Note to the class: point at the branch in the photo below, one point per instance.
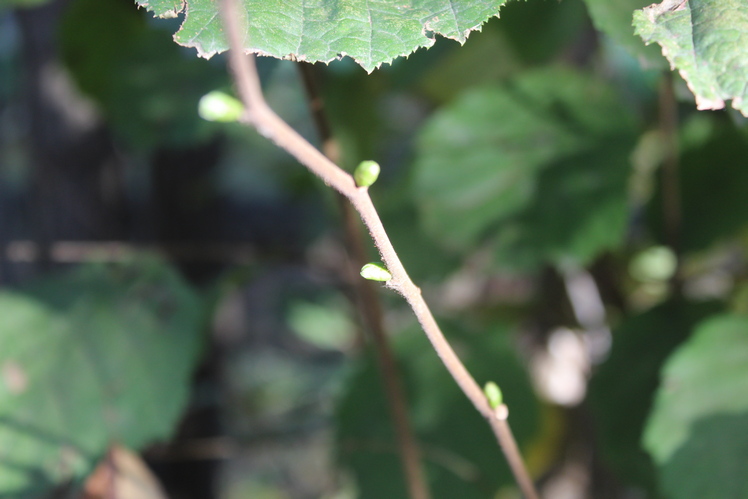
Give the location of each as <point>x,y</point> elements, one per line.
<point>671,196</point>
<point>370,310</point>
<point>275,129</point>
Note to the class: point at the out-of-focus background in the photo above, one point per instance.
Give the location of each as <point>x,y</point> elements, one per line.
<point>177,305</point>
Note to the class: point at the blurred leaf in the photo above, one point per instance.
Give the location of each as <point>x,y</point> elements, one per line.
<point>712,464</point>
<point>614,17</point>
<point>539,29</point>
<point>529,32</point>
<point>460,453</point>
<point>707,42</point>
<point>323,30</point>
<point>146,87</point>
<point>324,326</point>
<point>713,179</point>
<point>423,257</point>
<point>704,378</point>
<point>100,355</point>
<point>537,163</point>
<point>452,68</point>
<point>622,390</point>
<point>356,128</point>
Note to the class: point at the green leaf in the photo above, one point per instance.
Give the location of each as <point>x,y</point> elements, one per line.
<point>324,30</point>
<point>707,42</point>
<point>712,464</point>
<point>101,355</point>
<point>621,402</point>
<point>536,164</point>
<point>613,17</point>
<point>706,377</point>
<point>460,452</point>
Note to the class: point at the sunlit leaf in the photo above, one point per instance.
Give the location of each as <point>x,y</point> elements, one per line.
<point>372,33</point>
<point>707,42</point>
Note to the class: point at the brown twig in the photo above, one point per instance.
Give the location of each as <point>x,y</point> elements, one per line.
<point>671,202</point>
<point>275,129</point>
<point>370,309</point>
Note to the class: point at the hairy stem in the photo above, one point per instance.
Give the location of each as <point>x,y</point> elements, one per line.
<point>370,310</point>
<point>275,129</point>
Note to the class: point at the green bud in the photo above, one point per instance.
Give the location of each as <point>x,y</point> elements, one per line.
<point>366,173</point>
<point>375,272</point>
<point>493,394</point>
<point>219,106</point>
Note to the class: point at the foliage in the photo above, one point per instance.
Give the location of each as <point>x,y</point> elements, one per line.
<point>622,403</point>
<point>613,17</point>
<point>479,173</point>
<point>534,144</point>
<point>705,40</point>
<point>147,88</point>
<point>100,355</point>
<point>323,31</point>
<point>700,410</point>
<point>445,421</point>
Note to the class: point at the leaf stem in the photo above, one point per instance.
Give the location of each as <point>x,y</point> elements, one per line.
<point>278,131</point>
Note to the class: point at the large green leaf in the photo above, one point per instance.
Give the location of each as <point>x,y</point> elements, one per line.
<point>537,164</point>
<point>372,32</point>
<point>707,376</point>
<point>97,356</point>
<point>613,17</point>
<point>460,454</point>
<point>621,403</point>
<point>707,41</point>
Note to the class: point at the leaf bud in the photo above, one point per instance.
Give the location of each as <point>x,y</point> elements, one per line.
<point>219,106</point>
<point>366,173</point>
<point>493,394</point>
<point>375,272</point>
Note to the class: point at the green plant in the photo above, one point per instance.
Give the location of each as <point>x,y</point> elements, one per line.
<point>539,150</point>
